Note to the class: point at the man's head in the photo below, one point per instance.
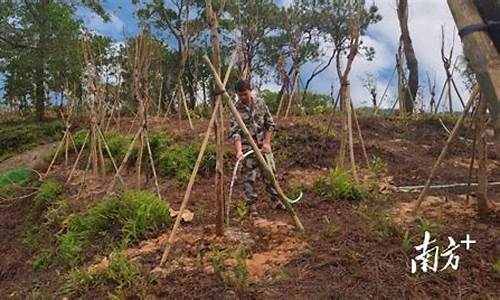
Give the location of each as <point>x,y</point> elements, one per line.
<point>244,90</point>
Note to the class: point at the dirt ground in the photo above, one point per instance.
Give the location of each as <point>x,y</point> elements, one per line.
<point>349,250</point>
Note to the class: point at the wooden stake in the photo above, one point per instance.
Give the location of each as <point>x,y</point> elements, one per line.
<point>360,135</point>
<point>453,134</point>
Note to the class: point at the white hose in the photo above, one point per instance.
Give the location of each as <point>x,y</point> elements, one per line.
<point>233,179</point>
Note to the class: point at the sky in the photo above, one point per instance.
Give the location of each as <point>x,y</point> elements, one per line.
<point>425,20</point>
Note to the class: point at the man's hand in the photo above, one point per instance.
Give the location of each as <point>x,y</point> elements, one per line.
<point>239,155</point>
<point>266,148</point>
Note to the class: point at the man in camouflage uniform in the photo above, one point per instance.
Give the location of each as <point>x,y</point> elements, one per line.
<point>260,124</point>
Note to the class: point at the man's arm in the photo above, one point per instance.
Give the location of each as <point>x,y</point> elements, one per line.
<point>268,129</point>
<point>235,135</point>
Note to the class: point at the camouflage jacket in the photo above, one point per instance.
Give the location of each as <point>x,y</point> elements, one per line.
<point>257,119</point>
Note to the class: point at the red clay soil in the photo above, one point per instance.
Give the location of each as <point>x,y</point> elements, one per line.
<point>349,250</point>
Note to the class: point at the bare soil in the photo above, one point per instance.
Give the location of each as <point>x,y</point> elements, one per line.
<point>349,250</point>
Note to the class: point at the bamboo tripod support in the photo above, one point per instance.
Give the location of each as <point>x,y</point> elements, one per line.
<point>444,151</point>
<point>67,136</point>
<point>94,138</point>
<point>187,194</point>
<point>140,66</point>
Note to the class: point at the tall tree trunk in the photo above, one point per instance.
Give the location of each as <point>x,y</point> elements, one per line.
<point>40,92</point>
<point>411,59</point>
<point>483,56</point>
<point>219,121</point>
<point>482,172</point>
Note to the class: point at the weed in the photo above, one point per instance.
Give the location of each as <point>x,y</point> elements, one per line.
<point>331,230</point>
<point>241,276</point>
<point>496,266</point>
<point>424,225</point>
<point>43,260</point>
<point>121,270</point>
<point>217,261</point>
<point>48,192</point>
<point>241,211</point>
<point>407,241</point>
<point>14,178</point>
<point>79,279</point>
<point>295,188</point>
<point>385,227</point>
<point>236,276</point>
<point>377,165</point>
<point>283,276</point>
<point>339,185</point>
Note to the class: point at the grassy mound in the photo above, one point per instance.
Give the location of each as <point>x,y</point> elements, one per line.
<point>126,219</point>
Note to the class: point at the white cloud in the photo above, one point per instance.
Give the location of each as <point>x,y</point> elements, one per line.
<point>113,28</point>
<point>425,20</point>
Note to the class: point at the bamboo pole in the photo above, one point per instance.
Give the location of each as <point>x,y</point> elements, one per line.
<point>360,135</point>
<point>184,101</point>
<point>349,128</point>
<point>78,157</point>
<point>190,185</point>
<point>187,194</point>
<point>453,134</point>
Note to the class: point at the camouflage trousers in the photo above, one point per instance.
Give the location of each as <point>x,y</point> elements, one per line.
<point>250,170</point>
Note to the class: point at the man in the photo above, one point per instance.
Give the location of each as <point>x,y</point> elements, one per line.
<point>260,124</point>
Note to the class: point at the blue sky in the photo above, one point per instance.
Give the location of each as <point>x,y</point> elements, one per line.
<point>425,20</point>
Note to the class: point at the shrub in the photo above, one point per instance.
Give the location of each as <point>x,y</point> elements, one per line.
<point>338,185</point>
<point>133,216</point>
<point>48,192</point>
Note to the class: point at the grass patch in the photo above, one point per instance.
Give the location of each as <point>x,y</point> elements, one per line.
<point>236,276</point>
<point>14,178</point>
<point>177,161</point>
<point>43,260</point>
<point>126,219</point>
<point>48,192</point>
<point>339,185</point>
<point>121,272</point>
